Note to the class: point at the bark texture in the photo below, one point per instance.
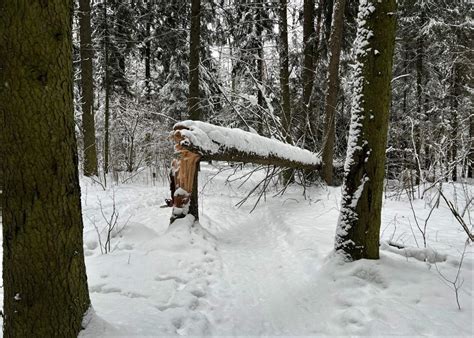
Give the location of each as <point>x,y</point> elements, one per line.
<point>284,73</point>
<point>235,155</point>
<point>107,92</point>
<point>335,43</point>
<point>148,50</point>
<point>453,151</point>
<point>418,130</point>
<point>285,80</point>
<point>194,105</point>
<point>44,277</point>
<point>358,229</point>
<point>87,86</point>
<point>308,61</point>
<point>260,75</point>
<point>195,41</point>
<point>470,158</point>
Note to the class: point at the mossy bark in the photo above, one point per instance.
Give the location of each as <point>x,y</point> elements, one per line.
<point>87,86</point>
<point>44,276</point>
<point>358,228</point>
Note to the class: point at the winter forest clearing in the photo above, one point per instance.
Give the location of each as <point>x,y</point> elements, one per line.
<point>269,272</point>
<point>236,168</point>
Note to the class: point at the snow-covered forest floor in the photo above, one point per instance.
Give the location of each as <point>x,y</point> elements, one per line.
<point>269,272</point>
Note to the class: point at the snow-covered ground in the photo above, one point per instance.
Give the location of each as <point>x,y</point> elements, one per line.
<point>270,272</point>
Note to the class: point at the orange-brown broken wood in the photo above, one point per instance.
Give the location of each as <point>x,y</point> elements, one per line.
<point>187,166</point>
<point>183,173</point>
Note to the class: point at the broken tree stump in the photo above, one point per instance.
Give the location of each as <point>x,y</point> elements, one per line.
<point>184,181</point>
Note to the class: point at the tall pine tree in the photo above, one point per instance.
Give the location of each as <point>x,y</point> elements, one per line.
<point>44,276</point>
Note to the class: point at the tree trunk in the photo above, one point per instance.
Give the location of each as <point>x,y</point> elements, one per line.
<point>44,276</point>
<point>284,73</point>
<point>148,52</point>
<point>326,22</point>
<point>195,41</point>
<point>285,81</point>
<point>308,61</point>
<point>358,228</point>
<point>335,43</point>
<point>455,92</point>
<point>419,107</point>
<point>87,85</point>
<point>313,115</point>
<point>328,19</point>
<point>194,105</point>
<point>470,158</point>
<point>260,63</point>
<point>107,92</point>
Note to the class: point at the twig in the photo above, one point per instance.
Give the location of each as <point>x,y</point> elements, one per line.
<point>458,217</point>
<point>456,284</point>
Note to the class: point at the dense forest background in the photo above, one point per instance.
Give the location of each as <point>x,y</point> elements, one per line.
<point>140,54</point>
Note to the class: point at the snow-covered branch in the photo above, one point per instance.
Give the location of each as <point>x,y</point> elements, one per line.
<point>233,144</point>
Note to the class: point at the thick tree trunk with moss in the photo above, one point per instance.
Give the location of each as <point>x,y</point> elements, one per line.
<point>87,86</point>
<point>335,43</point>
<point>358,228</point>
<point>44,276</point>
<point>195,41</point>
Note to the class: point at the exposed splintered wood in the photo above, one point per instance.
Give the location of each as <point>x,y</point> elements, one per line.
<point>183,174</point>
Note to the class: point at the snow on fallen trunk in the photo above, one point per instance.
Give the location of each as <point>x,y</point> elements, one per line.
<point>235,145</point>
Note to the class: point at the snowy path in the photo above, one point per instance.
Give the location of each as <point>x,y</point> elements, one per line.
<point>269,261</point>
<point>264,275</point>
<point>277,277</point>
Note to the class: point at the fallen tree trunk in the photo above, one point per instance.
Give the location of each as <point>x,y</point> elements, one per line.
<point>235,145</point>
<point>235,155</point>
